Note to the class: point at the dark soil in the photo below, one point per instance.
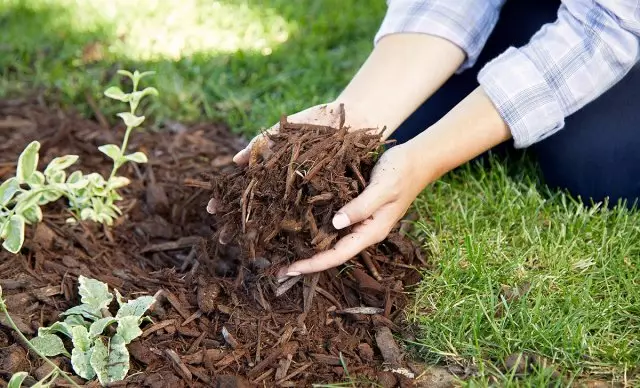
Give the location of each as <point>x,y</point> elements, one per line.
<point>221,321</point>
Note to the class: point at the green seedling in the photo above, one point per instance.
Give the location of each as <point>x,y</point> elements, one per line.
<point>99,339</point>
<point>90,197</point>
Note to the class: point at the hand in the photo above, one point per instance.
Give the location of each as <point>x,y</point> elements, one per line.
<point>323,114</point>
<point>394,184</point>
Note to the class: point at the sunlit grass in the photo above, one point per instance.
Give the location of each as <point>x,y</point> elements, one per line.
<point>242,61</point>
<point>491,234</point>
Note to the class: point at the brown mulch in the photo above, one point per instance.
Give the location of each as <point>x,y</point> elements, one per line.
<point>216,324</point>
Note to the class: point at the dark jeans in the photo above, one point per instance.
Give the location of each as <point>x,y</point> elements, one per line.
<point>596,155</point>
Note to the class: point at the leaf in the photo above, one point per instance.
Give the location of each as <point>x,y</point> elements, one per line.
<point>84,310</point>
<point>60,163</point>
<point>137,157</point>
<point>111,150</point>
<point>80,338</point>
<point>8,189</point>
<point>36,179</point>
<point>57,327</point>
<point>129,328</point>
<point>135,308</point>
<point>48,197</point>
<point>125,73</point>
<point>13,234</point>
<point>94,293</point>
<point>117,94</point>
<point>33,214</point>
<point>143,74</point>
<point>77,181</point>
<point>96,179</point>
<point>49,345</point>
<point>27,199</point>
<point>57,177</point>
<point>28,161</point>
<point>98,326</point>
<point>75,320</point>
<point>81,362</point>
<point>87,214</point>
<point>118,181</point>
<point>111,362</point>
<point>17,379</point>
<point>131,120</point>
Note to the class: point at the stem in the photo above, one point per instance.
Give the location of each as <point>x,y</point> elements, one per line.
<point>125,142</point>
<point>3,308</point>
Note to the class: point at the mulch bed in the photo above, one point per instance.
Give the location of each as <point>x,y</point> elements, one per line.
<point>222,320</point>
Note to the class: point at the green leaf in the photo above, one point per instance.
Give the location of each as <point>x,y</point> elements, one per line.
<point>96,179</point>
<point>98,326</point>
<point>94,293</point>
<point>111,150</point>
<point>131,120</point>
<point>118,181</point>
<point>36,179</point>
<point>33,214</point>
<point>87,214</point>
<point>27,199</point>
<point>116,93</point>
<point>125,73</point>
<point>80,338</point>
<point>81,362</point>
<point>28,161</point>
<point>137,157</point>
<point>129,328</point>
<point>135,308</point>
<point>13,234</point>
<point>77,181</point>
<point>57,327</point>
<point>143,74</point>
<point>49,345</point>
<point>60,163</point>
<point>84,310</point>
<point>8,189</point>
<point>57,177</point>
<point>17,379</point>
<point>111,361</point>
<point>75,320</point>
<point>49,196</point>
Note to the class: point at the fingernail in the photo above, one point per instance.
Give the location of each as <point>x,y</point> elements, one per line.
<point>293,273</point>
<point>341,220</point>
<point>239,155</point>
<point>211,206</point>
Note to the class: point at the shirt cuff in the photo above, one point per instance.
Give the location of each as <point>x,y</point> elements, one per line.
<point>465,23</point>
<point>522,96</point>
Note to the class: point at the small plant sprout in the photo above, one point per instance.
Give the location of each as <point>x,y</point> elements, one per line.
<point>99,339</point>
<point>18,378</point>
<point>90,197</point>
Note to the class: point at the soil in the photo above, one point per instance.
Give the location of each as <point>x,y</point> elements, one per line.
<point>222,320</point>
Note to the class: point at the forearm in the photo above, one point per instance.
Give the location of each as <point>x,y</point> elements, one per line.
<point>400,74</point>
<point>469,129</point>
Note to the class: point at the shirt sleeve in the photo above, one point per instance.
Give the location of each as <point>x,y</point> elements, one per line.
<point>567,64</point>
<point>466,23</point>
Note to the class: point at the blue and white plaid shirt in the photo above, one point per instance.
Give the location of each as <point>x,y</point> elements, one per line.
<point>567,64</point>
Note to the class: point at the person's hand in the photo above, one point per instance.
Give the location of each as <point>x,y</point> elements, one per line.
<point>393,186</point>
<point>323,114</point>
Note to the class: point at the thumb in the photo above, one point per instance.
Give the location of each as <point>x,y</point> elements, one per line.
<point>361,207</point>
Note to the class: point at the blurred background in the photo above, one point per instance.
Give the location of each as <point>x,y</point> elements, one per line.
<point>241,61</point>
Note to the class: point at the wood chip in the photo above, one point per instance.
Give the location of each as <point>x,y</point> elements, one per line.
<point>388,347</point>
<point>229,338</point>
<point>158,326</point>
<point>178,365</point>
<point>184,242</point>
<point>175,302</point>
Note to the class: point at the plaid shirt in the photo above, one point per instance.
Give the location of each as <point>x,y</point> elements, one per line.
<point>567,64</point>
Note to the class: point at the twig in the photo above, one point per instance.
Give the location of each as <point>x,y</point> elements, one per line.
<point>366,257</point>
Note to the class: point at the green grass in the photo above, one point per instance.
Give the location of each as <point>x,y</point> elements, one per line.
<point>247,62</point>
<point>491,228</point>
<point>242,61</point>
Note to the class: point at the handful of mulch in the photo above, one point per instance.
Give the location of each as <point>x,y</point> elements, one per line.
<point>279,207</point>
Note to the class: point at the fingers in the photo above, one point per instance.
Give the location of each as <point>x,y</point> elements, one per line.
<point>361,207</point>
<point>244,156</point>
<point>364,235</point>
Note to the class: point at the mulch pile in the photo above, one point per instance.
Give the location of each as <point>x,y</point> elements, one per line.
<point>222,320</point>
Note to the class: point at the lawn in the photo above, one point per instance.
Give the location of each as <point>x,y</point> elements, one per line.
<point>514,267</point>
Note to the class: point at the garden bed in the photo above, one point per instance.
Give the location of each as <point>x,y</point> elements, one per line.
<point>213,325</point>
